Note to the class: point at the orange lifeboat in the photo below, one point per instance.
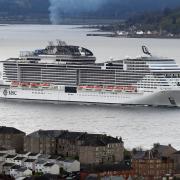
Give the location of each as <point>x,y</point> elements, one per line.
<point>35,85</point>
<point>98,88</point>
<point>109,88</point>
<point>119,88</point>
<point>24,84</point>
<point>45,85</point>
<point>14,83</point>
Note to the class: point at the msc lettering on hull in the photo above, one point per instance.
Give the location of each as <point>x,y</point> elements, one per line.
<point>9,92</point>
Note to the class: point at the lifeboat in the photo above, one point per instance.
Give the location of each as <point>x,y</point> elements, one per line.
<point>35,85</point>
<point>109,88</point>
<point>14,83</point>
<point>98,88</point>
<point>24,84</point>
<point>82,87</point>
<point>126,88</point>
<point>119,88</point>
<point>130,89</point>
<point>45,85</point>
<point>90,87</point>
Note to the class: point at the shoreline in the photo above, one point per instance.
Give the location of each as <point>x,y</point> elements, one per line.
<point>132,36</point>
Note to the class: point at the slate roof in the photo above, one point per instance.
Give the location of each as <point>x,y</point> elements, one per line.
<point>10,130</point>
<point>11,156</point>
<point>161,148</point>
<point>22,169</point>
<point>99,140</point>
<point>54,157</point>
<point>23,153</point>
<point>177,152</point>
<point>41,162</point>
<point>44,156</point>
<point>19,158</point>
<point>33,154</point>
<point>61,159</point>
<point>49,164</point>
<point>90,139</point>
<point>46,133</point>
<point>87,139</point>
<point>8,164</point>
<point>30,160</point>
<point>15,167</point>
<point>70,135</point>
<point>139,155</point>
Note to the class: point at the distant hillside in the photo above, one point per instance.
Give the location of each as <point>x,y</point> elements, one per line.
<point>24,7</point>
<point>168,20</point>
<point>171,22</point>
<point>128,8</point>
<point>24,11</point>
<point>57,10</point>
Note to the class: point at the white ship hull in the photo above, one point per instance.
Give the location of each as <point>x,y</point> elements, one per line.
<point>157,98</point>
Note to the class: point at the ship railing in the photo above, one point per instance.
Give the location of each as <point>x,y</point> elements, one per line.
<point>33,85</point>
<point>127,89</point>
<point>26,53</point>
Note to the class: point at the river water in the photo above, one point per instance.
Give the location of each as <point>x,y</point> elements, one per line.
<point>138,126</point>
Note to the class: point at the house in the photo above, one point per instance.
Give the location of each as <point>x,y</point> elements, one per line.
<point>33,155</point>
<point>2,157</point>
<point>120,170</point>
<point>6,168</point>
<point>23,154</point>
<point>23,172</point>
<point>10,158</point>
<point>42,141</point>
<point>149,32</point>
<point>19,160</point>
<point>69,143</point>
<point>11,138</point>
<point>44,157</point>
<point>53,158</point>
<point>71,165</point>
<point>163,150</point>
<point>101,149</point>
<point>152,165</point>
<point>51,168</point>
<point>176,157</point>
<point>140,32</point>
<point>13,170</point>
<point>7,150</point>
<point>89,148</point>
<point>39,165</point>
<point>30,164</point>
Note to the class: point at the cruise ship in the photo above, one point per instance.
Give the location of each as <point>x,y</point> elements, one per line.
<point>64,73</point>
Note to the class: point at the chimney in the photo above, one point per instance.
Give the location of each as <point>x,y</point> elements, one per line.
<point>156,145</point>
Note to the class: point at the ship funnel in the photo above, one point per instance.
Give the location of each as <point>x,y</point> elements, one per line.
<point>146,51</point>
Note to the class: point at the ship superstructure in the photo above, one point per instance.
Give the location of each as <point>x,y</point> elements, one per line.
<point>65,73</point>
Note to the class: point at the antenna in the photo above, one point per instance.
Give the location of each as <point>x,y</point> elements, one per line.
<point>146,51</point>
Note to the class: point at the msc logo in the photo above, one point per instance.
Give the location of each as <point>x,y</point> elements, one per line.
<point>5,92</point>
<point>9,92</point>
